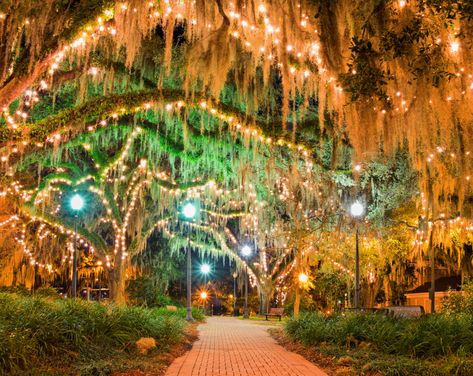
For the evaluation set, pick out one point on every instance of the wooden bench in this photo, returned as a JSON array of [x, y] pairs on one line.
[[275, 312], [171, 308], [406, 311]]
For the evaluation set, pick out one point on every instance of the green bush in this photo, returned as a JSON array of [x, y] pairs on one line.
[[181, 312], [460, 303], [35, 329], [431, 336]]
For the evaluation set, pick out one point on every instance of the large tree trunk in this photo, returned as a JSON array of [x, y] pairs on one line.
[[117, 282]]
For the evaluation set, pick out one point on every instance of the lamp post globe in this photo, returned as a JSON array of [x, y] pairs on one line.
[[246, 251], [189, 210], [357, 209], [77, 202], [303, 278], [205, 268]]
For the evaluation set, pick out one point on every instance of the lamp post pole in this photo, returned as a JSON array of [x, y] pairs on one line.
[[245, 308], [189, 211], [74, 261], [246, 253], [356, 210], [357, 269], [189, 285], [76, 204], [234, 293]]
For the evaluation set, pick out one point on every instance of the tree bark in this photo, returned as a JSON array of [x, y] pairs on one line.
[[297, 302], [14, 88], [117, 282]]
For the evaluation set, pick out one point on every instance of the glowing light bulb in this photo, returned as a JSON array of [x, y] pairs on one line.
[[357, 209], [189, 210], [454, 47], [205, 268], [303, 278], [246, 250], [77, 202]]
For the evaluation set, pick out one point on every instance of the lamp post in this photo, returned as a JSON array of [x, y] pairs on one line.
[[356, 210], [203, 296], [246, 252], [235, 275], [77, 203], [189, 211]]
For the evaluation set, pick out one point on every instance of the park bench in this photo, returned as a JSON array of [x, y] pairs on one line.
[[406, 311], [275, 312], [171, 308]]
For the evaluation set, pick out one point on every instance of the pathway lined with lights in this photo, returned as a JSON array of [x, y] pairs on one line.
[[233, 347]]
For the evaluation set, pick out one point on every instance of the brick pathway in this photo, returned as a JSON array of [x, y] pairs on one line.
[[233, 347]]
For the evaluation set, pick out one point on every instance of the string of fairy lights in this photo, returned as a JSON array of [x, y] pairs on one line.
[[245, 31], [263, 32]]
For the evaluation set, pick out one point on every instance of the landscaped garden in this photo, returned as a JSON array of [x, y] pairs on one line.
[[49, 335], [351, 343], [166, 160]]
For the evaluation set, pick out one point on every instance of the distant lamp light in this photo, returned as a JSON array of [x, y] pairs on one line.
[[357, 209], [454, 47], [246, 250], [303, 278], [205, 268], [235, 274], [189, 210], [77, 202], [203, 295]]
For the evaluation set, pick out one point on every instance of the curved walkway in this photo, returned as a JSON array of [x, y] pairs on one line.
[[233, 347]]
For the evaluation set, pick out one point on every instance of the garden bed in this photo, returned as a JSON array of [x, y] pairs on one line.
[[61, 337], [380, 345]]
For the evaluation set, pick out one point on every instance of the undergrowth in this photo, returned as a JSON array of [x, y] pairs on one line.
[[433, 345], [37, 331]]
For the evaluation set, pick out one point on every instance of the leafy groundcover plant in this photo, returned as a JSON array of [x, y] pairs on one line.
[[433, 345], [39, 333]]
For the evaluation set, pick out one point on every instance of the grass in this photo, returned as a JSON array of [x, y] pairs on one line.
[[433, 345], [181, 312], [39, 333]]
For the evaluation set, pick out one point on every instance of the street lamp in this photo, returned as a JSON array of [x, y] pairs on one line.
[[76, 203], [203, 297], [235, 275], [246, 252], [189, 211], [356, 210]]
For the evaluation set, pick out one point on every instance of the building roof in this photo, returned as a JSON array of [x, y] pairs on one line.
[[441, 284]]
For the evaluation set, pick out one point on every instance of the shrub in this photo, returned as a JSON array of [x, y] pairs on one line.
[[181, 312], [34, 329], [431, 336], [459, 303]]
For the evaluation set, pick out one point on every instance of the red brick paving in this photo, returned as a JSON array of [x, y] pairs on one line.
[[233, 347]]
